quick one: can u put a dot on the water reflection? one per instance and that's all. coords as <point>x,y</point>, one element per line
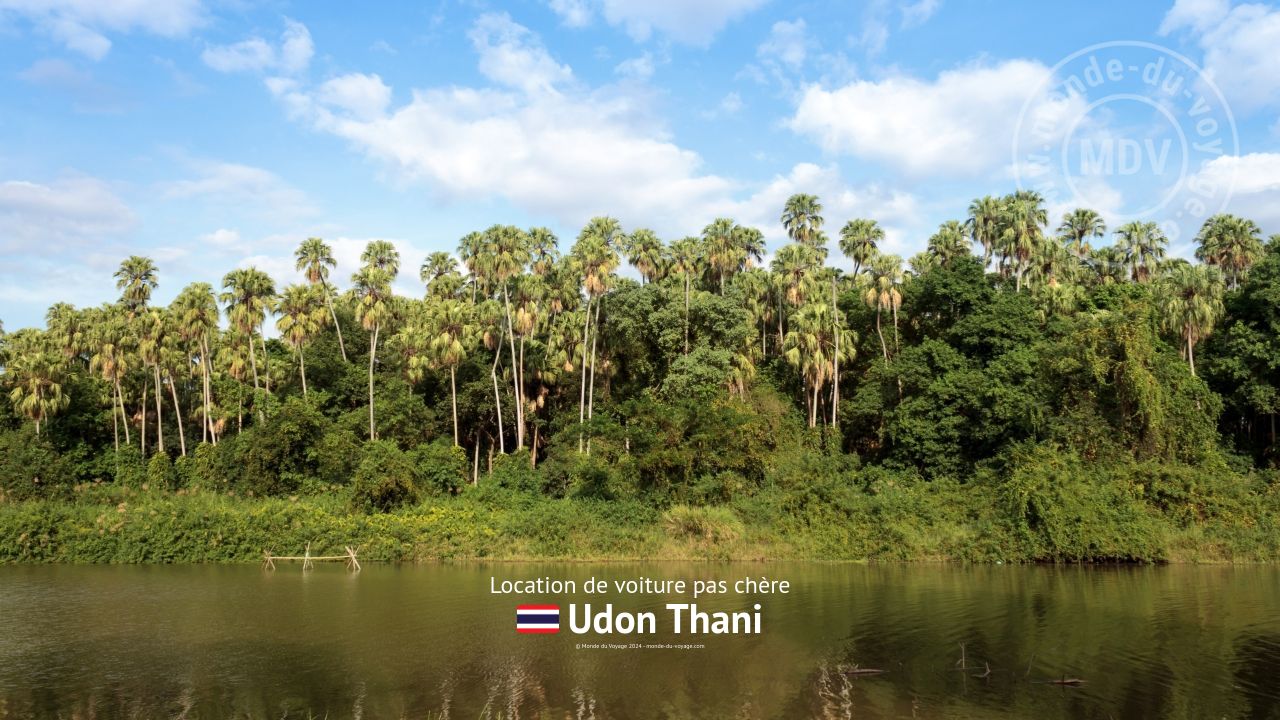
<point>432,642</point>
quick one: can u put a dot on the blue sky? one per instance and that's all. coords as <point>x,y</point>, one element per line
<point>211,134</point>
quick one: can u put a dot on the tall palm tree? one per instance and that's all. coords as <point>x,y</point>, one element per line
<point>723,252</point>
<point>543,251</point>
<point>802,218</point>
<point>248,295</point>
<point>1078,226</point>
<point>372,288</point>
<point>983,223</point>
<point>136,278</point>
<point>881,292</point>
<point>452,332</point>
<point>315,259</point>
<point>1143,245</point>
<point>111,358</point>
<point>151,339</point>
<point>1022,230</point>
<point>596,256</point>
<point>796,266</point>
<point>859,241</point>
<point>1231,243</point>
<point>686,261</point>
<point>301,311</point>
<point>1191,302</point>
<point>196,311</point>
<point>645,253</point>
<point>949,243</point>
<point>439,272</point>
<point>34,373</point>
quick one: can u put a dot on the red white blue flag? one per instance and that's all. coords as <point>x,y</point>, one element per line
<point>538,619</point>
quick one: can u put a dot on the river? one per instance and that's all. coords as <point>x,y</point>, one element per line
<point>432,641</point>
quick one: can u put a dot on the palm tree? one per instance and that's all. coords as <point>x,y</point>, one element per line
<point>686,261</point>
<point>645,253</point>
<point>301,317</point>
<point>1231,243</point>
<point>34,372</point>
<point>196,311</point>
<point>439,272</point>
<point>723,253</point>
<point>136,278</point>
<point>452,331</point>
<point>372,288</point>
<point>983,224</point>
<point>881,293</point>
<point>543,251</point>
<point>315,260</point>
<point>248,294</point>
<point>802,218</point>
<point>1191,302</point>
<point>1143,245</point>
<point>150,347</point>
<point>949,243</point>
<point>596,256</point>
<point>1078,226</point>
<point>1022,224</point>
<point>859,240</point>
<point>795,265</point>
<point>111,357</point>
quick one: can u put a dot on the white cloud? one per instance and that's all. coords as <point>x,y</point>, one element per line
<point>363,96</point>
<point>787,43</point>
<point>81,25</point>
<point>1239,48</point>
<point>237,187</point>
<point>292,56</point>
<point>513,56</point>
<point>919,12</point>
<point>537,139</point>
<point>1256,180</point>
<point>898,212</point>
<point>639,68</point>
<point>690,23</point>
<point>1199,15</point>
<point>962,123</point>
<point>222,238</point>
<point>36,218</point>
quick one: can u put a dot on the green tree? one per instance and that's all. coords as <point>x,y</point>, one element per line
<point>859,241</point>
<point>1143,246</point>
<point>1078,226</point>
<point>34,372</point>
<point>136,278</point>
<point>315,260</point>
<point>371,286</point>
<point>1231,243</point>
<point>1191,303</point>
<point>301,315</point>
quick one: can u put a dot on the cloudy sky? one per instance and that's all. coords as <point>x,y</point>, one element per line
<point>215,133</point>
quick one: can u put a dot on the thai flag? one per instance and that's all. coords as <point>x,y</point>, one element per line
<point>542,619</point>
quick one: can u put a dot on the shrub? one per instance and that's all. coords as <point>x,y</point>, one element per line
<point>30,467</point>
<point>440,467</point>
<point>384,480</point>
<point>712,524</point>
<point>160,472</point>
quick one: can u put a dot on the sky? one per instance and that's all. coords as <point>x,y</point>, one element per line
<point>213,134</point>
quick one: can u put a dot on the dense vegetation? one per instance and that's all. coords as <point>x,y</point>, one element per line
<point>1012,394</point>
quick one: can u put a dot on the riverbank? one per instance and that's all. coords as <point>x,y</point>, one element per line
<point>1169,515</point>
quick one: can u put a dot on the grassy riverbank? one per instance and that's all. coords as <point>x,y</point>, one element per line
<point>1052,508</point>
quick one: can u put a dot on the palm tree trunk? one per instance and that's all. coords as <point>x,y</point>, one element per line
<point>835,360</point>
<point>453,392</point>
<point>328,299</point>
<point>253,363</point>
<point>266,360</point>
<point>582,393</point>
<point>515,373</point>
<point>177,413</point>
<point>159,406</point>
<point>302,370</point>
<point>123,417</point>
<point>686,313</point>
<point>475,466</point>
<point>1191,357</point>
<point>373,354</point>
<point>591,393</point>
<point>497,397</point>
<point>883,347</point>
<point>143,437</point>
<point>115,426</point>
<point>208,392</point>
<point>896,344</point>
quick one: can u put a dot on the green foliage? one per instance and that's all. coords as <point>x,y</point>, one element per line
<point>161,474</point>
<point>440,467</point>
<point>384,479</point>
